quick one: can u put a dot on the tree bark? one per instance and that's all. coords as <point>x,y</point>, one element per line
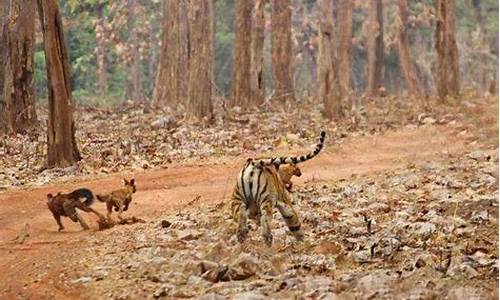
<point>101,45</point>
<point>404,50</point>
<point>257,54</point>
<point>448,82</point>
<point>171,87</point>
<point>201,58</point>
<point>134,86</point>
<point>375,47</point>
<point>281,50</point>
<point>241,92</point>
<point>4,10</point>
<point>19,112</point>
<point>344,33</point>
<point>62,150</point>
<point>329,86</point>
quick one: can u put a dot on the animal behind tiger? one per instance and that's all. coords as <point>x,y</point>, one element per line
<point>287,172</point>
<point>259,189</point>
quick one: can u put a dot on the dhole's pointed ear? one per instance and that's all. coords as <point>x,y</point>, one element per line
<point>49,195</point>
<point>132,181</point>
<point>125,181</point>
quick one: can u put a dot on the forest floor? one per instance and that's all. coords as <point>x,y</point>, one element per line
<point>429,192</point>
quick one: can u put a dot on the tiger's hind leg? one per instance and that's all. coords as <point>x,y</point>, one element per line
<point>266,208</point>
<point>240,215</point>
<point>290,217</point>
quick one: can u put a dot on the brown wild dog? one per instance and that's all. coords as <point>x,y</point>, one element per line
<point>287,172</point>
<point>66,204</point>
<point>119,199</point>
<point>259,190</point>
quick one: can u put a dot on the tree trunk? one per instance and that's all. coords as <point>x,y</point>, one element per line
<point>201,58</point>
<point>257,55</point>
<point>4,10</point>
<point>404,50</point>
<point>134,86</point>
<point>344,41</point>
<point>171,85</point>
<point>375,47</point>
<point>329,86</point>
<point>241,92</point>
<point>101,45</point>
<point>62,150</point>
<point>448,82</point>
<point>19,112</point>
<point>281,50</point>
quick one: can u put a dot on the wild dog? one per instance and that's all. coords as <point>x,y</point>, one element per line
<point>287,172</point>
<point>119,199</point>
<point>66,204</point>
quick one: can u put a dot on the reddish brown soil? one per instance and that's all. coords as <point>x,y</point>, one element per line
<point>174,188</point>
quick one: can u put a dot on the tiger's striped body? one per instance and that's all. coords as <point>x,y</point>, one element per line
<point>259,189</point>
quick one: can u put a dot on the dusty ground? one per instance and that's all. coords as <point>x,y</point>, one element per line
<point>43,266</point>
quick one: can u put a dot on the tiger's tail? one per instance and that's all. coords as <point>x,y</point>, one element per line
<point>277,161</point>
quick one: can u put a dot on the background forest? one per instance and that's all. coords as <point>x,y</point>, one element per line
<point>100,46</point>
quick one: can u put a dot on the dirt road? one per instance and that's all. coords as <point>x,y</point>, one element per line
<point>173,188</point>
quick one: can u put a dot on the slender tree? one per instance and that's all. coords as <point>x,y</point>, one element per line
<point>62,149</point>
<point>448,82</point>
<point>134,85</point>
<point>281,50</point>
<point>4,10</point>
<point>19,112</point>
<point>375,47</point>
<point>201,57</point>
<point>404,49</point>
<point>172,78</point>
<point>343,28</point>
<point>257,55</point>
<point>101,50</point>
<point>241,93</point>
<point>329,85</point>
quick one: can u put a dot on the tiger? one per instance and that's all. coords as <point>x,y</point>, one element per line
<point>119,199</point>
<point>259,189</point>
<point>287,172</point>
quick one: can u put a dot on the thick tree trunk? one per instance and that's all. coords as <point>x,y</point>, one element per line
<point>101,45</point>
<point>281,50</point>
<point>171,85</point>
<point>241,92</point>
<point>201,58</point>
<point>329,87</point>
<point>375,47</point>
<point>448,82</point>
<point>344,33</point>
<point>404,50</point>
<point>19,113</point>
<point>134,86</point>
<point>257,54</point>
<point>61,144</point>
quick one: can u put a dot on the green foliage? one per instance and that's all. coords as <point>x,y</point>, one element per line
<point>478,44</point>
